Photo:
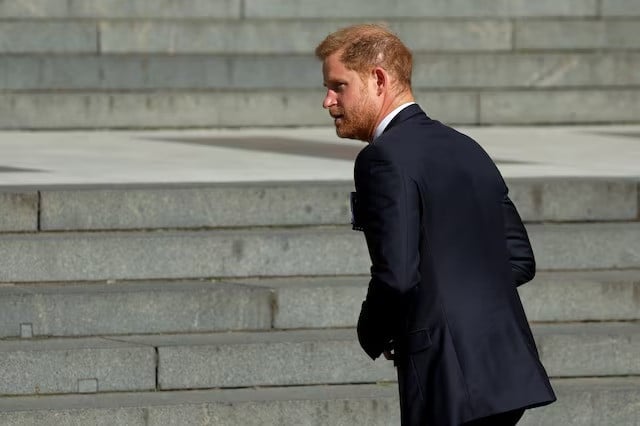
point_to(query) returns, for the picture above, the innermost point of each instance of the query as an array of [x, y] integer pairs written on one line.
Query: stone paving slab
[[582, 402], [75, 366], [90, 309], [44, 159]]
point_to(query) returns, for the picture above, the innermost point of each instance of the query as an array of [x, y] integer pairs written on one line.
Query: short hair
[[367, 45]]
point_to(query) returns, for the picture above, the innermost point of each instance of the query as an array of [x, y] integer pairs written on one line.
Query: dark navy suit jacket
[[448, 250]]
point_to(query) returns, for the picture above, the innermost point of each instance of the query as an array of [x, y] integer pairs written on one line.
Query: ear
[[381, 78]]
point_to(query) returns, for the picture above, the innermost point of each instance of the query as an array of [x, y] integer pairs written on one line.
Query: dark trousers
[[509, 418]]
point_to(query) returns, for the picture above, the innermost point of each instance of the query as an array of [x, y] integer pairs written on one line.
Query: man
[[447, 246]]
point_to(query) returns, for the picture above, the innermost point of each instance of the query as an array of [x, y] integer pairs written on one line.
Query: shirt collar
[[385, 121]]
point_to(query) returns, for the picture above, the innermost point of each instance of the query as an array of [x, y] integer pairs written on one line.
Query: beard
[[357, 123]]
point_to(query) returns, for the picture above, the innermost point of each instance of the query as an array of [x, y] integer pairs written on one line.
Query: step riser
[[580, 405], [280, 204], [221, 206], [274, 36], [222, 9], [584, 247], [133, 308], [546, 299], [130, 309], [232, 9], [520, 107], [188, 109], [18, 211], [310, 251], [287, 363], [175, 255], [344, 362], [77, 370], [436, 9], [288, 204], [257, 37], [432, 71], [580, 402], [179, 109], [275, 359], [587, 355]]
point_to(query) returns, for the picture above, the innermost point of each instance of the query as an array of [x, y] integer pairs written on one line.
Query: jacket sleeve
[[523, 264], [390, 209]]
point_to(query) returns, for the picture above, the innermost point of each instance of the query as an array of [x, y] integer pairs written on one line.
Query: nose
[[329, 99]]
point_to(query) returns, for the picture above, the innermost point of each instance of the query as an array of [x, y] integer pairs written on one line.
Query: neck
[[388, 105]]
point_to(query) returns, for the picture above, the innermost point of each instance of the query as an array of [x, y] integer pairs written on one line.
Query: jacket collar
[[404, 115]]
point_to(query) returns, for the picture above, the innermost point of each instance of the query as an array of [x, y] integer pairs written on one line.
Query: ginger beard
[[358, 121]]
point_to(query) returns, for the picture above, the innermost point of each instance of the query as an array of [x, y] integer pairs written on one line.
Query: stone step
[[75, 366], [415, 8], [90, 309], [307, 9], [275, 358], [115, 9], [583, 296], [298, 107], [551, 297], [453, 71], [590, 402], [582, 402], [279, 204], [304, 251], [589, 349], [282, 204], [334, 356], [269, 36]]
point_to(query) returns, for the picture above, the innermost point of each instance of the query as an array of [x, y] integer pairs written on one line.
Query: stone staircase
[[212, 63], [234, 304]]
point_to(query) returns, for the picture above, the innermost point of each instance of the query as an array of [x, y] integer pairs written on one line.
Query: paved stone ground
[[276, 154]]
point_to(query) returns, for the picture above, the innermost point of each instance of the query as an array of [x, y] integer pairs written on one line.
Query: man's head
[[367, 73]]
